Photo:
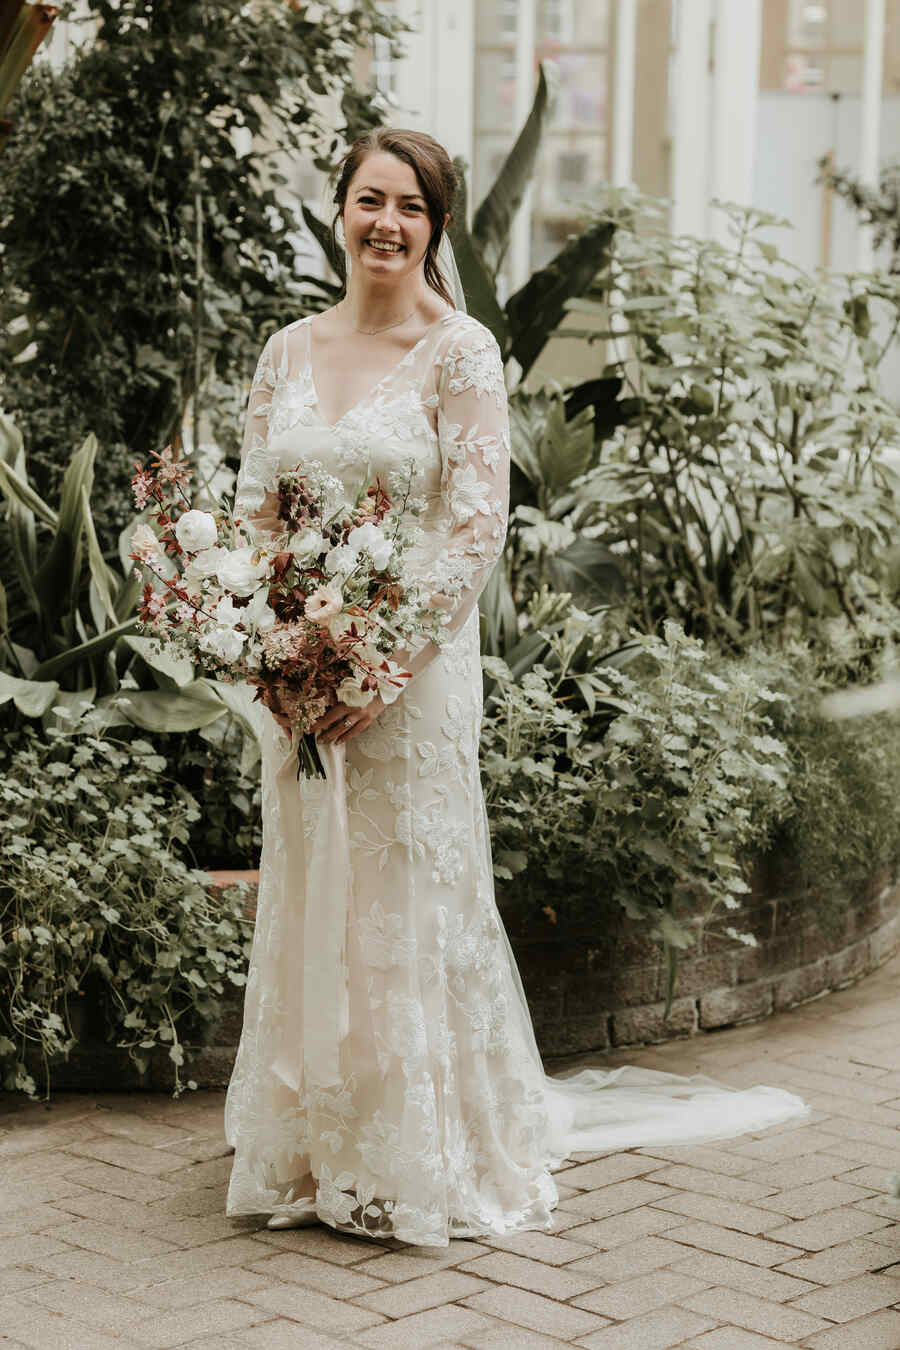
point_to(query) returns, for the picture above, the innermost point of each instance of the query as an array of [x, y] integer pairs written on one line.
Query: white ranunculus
[[259, 613], [196, 530], [374, 541], [306, 545], [349, 692], [225, 643], [204, 564], [342, 559], [323, 604], [238, 572]]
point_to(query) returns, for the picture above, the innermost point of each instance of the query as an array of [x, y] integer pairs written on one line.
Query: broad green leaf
[[195, 706], [493, 219], [85, 651], [239, 699], [536, 310], [31, 697], [177, 672]]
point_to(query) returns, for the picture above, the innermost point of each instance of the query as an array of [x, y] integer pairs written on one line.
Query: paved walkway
[[112, 1231]]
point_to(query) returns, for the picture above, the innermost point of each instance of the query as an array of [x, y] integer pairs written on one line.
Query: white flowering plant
[[308, 611]]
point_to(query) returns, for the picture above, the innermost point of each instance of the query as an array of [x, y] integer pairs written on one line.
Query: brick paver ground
[[113, 1233]]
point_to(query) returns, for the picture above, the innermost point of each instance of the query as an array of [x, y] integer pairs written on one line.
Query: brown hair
[[435, 175]]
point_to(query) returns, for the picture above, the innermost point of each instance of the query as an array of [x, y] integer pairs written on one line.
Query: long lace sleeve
[[255, 468], [473, 432]]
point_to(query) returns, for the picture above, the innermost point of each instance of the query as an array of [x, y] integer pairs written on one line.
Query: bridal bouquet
[[308, 611]]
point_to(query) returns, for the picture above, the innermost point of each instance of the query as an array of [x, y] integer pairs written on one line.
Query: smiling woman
[[387, 1079]]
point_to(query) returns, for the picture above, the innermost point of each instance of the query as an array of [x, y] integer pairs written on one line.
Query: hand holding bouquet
[[308, 613]]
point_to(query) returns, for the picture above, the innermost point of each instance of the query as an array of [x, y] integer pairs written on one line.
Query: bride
[[387, 1080]]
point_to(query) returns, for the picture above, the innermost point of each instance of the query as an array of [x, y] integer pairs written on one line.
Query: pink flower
[[323, 604], [142, 487]]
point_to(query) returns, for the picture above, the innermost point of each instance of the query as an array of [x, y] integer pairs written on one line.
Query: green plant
[[95, 889], [656, 796], [749, 489], [67, 622], [219, 765], [841, 827], [145, 227]]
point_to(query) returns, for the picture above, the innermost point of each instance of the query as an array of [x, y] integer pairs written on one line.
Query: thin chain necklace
[[370, 332]]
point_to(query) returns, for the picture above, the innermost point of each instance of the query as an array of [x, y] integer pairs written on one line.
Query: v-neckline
[[333, 426]]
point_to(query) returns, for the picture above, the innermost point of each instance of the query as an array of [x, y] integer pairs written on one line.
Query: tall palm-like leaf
[[478, 284], [493, 219]]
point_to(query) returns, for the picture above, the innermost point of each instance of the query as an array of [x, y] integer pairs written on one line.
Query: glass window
[[556, 21]]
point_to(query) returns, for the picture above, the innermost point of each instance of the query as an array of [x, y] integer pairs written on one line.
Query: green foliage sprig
[[95, 890]]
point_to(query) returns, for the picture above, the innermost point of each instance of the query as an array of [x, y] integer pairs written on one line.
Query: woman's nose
[[387, 217]]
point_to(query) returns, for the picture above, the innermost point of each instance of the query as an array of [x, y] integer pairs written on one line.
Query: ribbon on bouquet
[[315, 1015]]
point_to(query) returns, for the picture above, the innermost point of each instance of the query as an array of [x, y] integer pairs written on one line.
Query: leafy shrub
[[656, 796], [842, 824], [750, 484], [95, 890], [215, 766]]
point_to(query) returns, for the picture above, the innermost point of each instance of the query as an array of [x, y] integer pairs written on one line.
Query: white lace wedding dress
[[387, 1050]]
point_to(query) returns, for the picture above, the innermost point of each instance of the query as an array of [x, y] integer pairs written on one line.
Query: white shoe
[[305, 1220]]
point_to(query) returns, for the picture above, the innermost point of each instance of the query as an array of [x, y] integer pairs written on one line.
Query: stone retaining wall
[[586, 994], [590, 992]]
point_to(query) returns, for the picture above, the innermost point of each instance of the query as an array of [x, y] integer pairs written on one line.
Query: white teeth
[[384, 247]]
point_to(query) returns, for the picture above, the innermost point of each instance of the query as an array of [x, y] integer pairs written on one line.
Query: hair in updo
[[434, 172]]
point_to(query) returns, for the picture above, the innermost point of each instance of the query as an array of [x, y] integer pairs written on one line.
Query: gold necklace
[[370, 332]]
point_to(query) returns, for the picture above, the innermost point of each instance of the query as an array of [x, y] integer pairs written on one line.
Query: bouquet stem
[[309, 765]]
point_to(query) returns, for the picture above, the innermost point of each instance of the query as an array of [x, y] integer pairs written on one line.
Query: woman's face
[[386, 222]]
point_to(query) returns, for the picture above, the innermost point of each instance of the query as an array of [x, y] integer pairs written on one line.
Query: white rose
[[145, 543], [227, 613], [259, 613], [341, 559], [204, 564], [307, 544], [196, 530], [238, 572], [369, 537], [323, 604], [225, 643], [349, 692]]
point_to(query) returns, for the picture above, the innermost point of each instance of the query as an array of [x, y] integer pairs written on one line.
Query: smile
[[383, 246]]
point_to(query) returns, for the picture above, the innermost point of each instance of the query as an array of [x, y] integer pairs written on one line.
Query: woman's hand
[[341, 722]]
